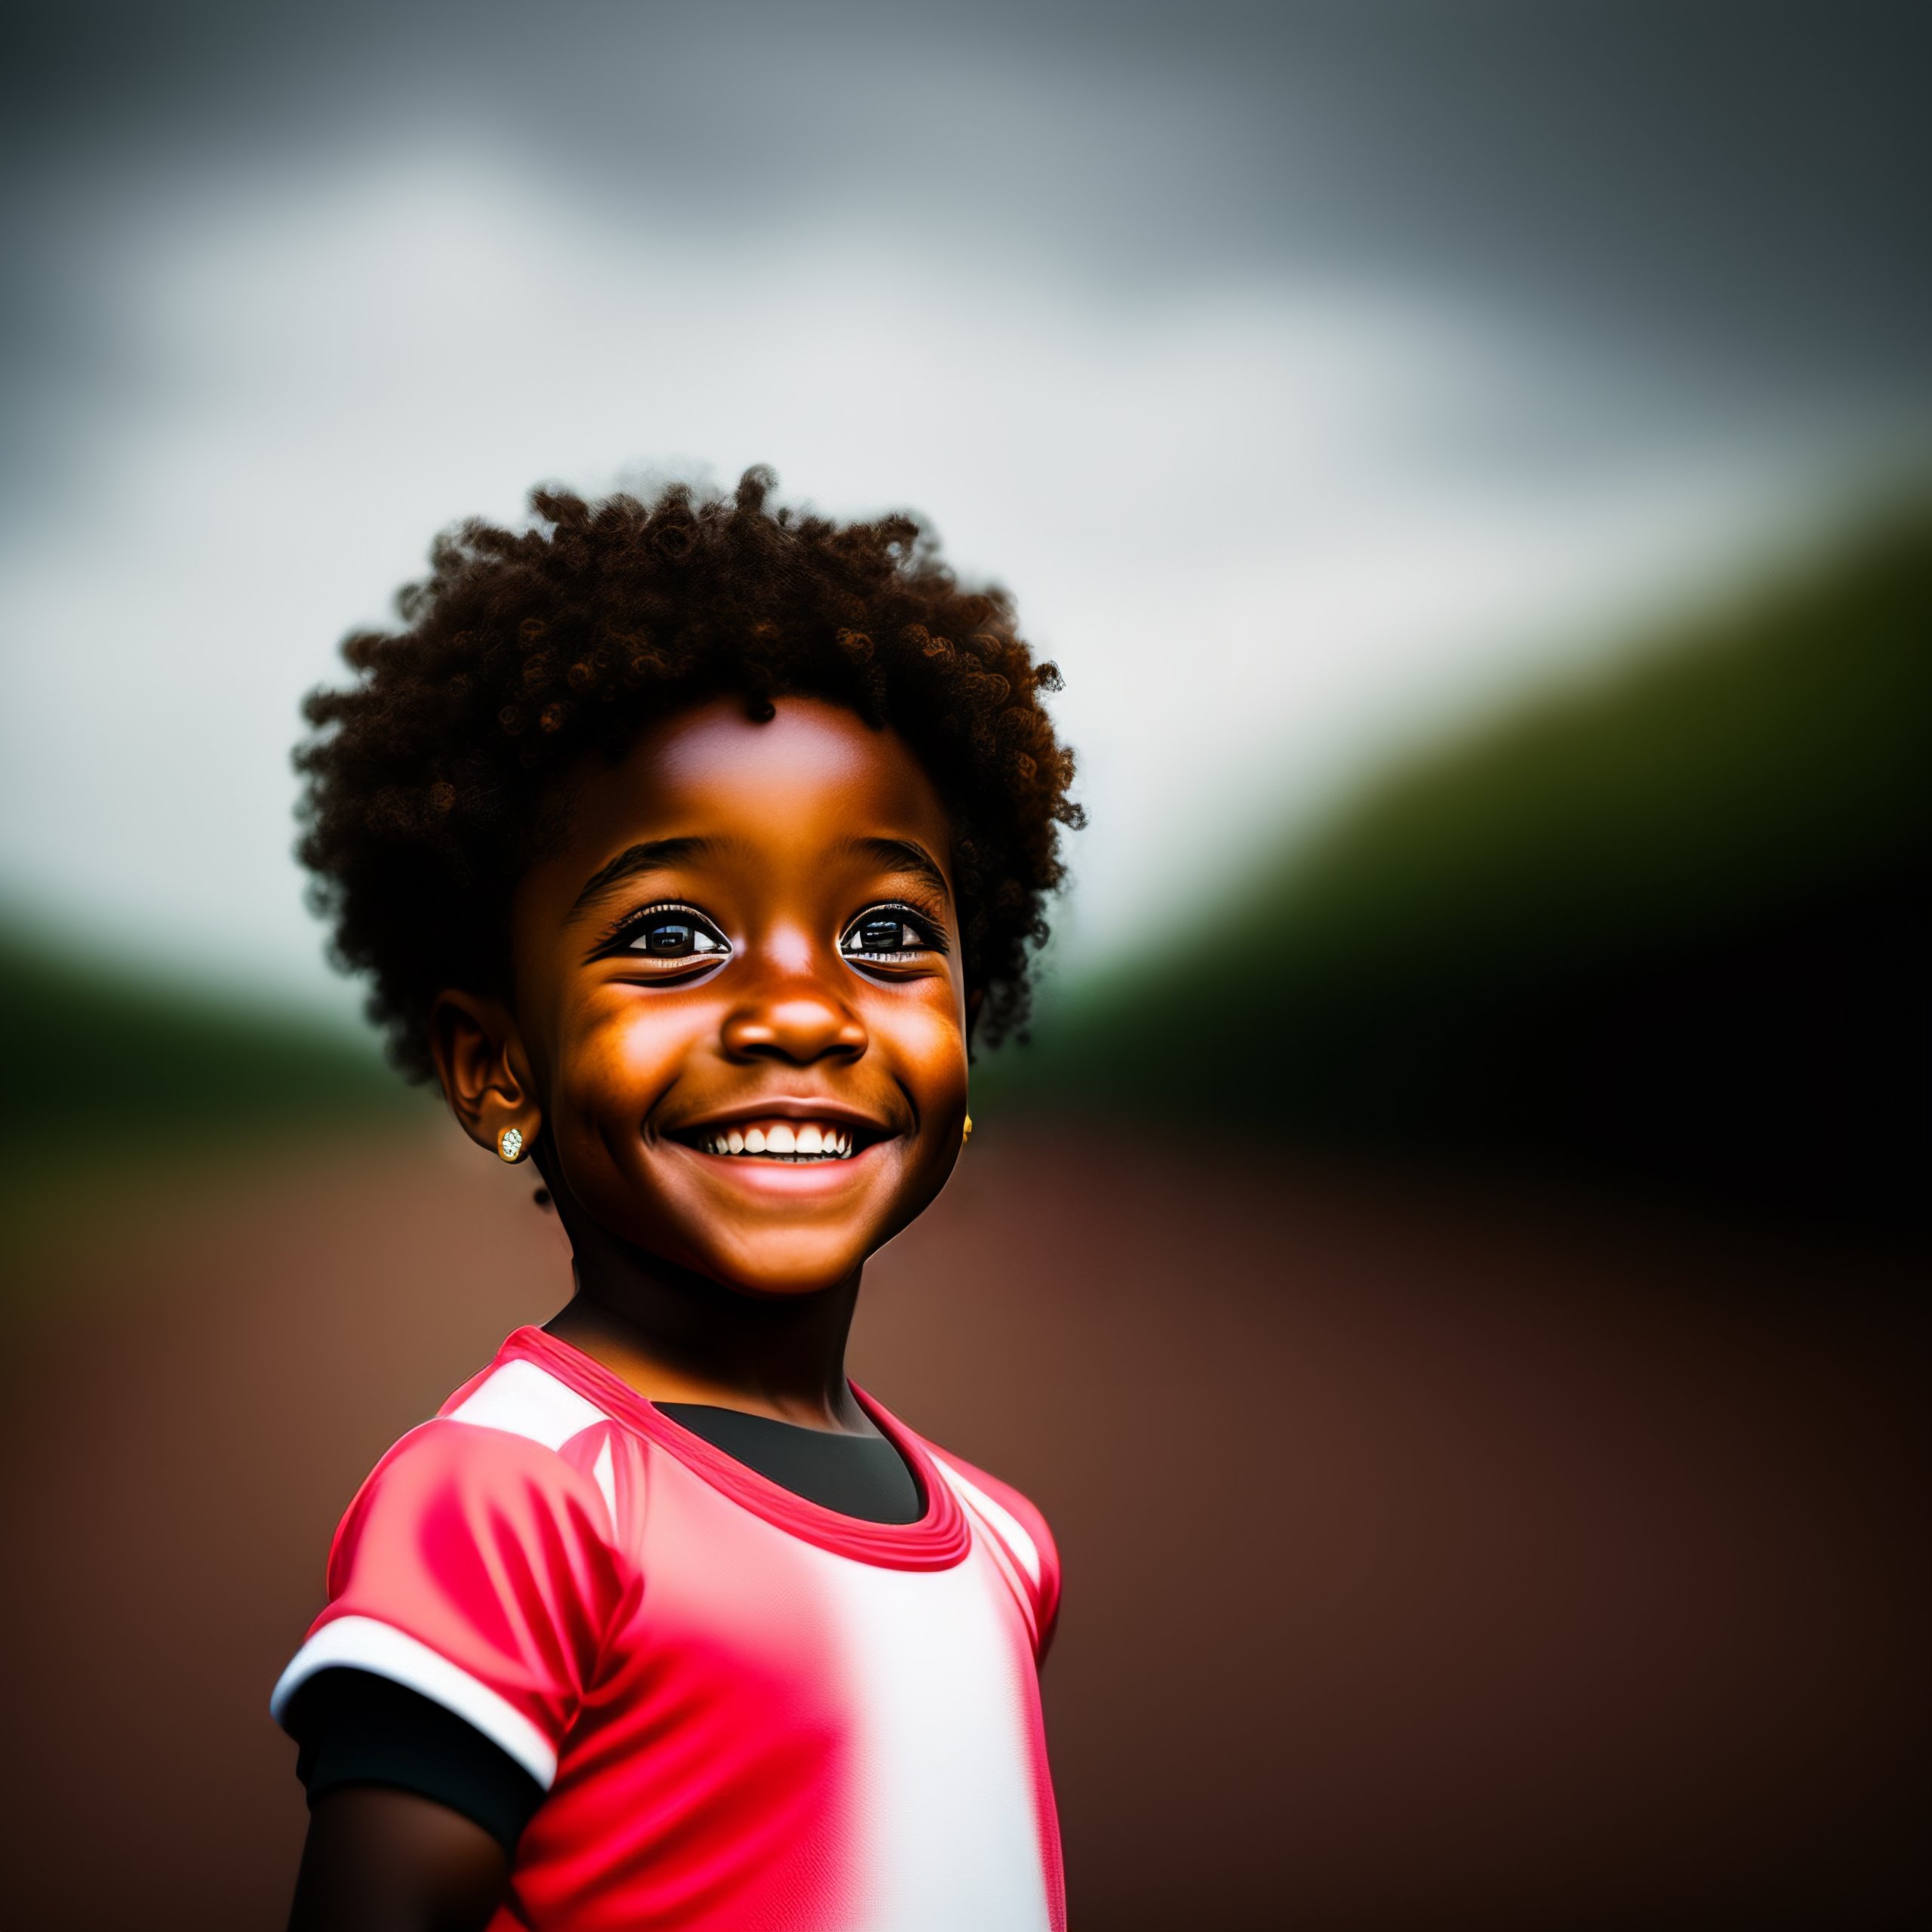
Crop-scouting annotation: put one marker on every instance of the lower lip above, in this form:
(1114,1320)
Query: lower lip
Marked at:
(788,1178)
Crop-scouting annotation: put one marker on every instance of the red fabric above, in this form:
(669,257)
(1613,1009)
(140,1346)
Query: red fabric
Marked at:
(764,1715)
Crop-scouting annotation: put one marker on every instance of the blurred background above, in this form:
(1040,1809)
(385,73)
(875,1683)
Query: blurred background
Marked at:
(1450,1262)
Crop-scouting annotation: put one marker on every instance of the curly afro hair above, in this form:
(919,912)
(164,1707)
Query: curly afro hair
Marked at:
(436,778)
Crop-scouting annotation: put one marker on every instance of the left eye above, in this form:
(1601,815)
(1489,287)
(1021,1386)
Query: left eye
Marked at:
(884,933)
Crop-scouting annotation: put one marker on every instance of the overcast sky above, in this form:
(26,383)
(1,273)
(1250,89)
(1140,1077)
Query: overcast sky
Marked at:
(1369,355)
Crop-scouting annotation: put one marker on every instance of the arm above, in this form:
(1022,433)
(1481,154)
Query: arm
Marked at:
(469,1588)
(378,1859)
(414,1815)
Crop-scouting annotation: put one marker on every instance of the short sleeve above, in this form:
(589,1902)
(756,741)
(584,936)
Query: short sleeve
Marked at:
(475,1568)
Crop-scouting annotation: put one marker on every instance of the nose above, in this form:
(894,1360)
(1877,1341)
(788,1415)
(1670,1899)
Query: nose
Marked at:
(798,1021)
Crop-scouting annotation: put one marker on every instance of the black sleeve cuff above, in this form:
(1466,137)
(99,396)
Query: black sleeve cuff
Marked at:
(354,1727)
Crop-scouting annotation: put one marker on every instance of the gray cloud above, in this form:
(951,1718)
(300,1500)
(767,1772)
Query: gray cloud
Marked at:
(1731,195)
(1380,350)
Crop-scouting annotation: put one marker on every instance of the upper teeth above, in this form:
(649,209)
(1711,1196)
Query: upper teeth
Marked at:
(807,1140)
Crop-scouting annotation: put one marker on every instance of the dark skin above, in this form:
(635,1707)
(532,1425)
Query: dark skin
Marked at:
(746,933)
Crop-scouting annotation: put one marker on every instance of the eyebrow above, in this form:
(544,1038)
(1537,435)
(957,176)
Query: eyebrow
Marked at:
(905,855)
(652,856)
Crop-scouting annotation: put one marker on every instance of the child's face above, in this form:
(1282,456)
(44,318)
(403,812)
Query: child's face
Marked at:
(748,938)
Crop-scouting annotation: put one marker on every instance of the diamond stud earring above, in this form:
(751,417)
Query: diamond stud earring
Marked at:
(509,1143)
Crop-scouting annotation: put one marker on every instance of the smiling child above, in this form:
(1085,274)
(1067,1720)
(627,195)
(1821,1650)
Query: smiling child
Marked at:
(685,844)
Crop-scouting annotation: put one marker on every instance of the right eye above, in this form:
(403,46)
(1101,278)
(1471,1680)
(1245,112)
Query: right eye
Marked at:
(674,935)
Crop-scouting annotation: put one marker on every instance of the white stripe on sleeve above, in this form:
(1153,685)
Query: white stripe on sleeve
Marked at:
(362,1643)
(525,1400)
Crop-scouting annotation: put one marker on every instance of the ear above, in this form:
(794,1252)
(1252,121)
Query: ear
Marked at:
(484,1069)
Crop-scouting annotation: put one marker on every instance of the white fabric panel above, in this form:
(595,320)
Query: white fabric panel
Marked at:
(948,1832)
(524,1400)
(362,1643)
(1002,1520)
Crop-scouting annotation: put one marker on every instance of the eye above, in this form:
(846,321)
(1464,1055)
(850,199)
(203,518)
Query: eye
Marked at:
(675,934)
(890,935)
(675,938)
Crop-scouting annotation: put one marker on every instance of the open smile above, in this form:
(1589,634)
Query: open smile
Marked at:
(781,1140)
(791,1134)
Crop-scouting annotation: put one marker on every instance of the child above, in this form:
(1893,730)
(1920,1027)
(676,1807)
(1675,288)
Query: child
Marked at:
(684,843)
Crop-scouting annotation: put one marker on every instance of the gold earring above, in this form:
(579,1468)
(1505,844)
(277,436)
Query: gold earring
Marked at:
(966,1133)
(509,1143)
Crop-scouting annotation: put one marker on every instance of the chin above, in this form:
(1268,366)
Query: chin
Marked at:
(786,1272)
(783,1281)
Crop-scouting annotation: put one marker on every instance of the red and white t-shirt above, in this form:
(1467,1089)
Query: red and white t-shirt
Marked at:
(746,1711)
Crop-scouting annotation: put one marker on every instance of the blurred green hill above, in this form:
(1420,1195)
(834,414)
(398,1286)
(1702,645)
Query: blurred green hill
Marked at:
(1670,920)
(103,1066)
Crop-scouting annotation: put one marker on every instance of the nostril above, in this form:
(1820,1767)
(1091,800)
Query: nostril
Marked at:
(799,1028)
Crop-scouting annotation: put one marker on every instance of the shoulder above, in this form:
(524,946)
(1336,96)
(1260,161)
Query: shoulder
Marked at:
(1018,1528)
(480,1564)
(514,1448)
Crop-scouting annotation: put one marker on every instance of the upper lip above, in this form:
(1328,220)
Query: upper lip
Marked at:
(784,1107)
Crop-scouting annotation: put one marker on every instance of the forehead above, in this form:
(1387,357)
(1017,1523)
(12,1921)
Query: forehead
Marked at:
(813,777)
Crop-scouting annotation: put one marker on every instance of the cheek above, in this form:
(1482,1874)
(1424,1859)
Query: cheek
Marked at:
(928,1042)
(620,1054)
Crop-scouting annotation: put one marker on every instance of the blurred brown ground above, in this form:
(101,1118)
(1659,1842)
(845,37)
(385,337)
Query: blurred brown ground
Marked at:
(1433,1559)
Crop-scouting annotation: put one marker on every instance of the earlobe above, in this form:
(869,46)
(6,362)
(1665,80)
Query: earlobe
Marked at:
(484,1072)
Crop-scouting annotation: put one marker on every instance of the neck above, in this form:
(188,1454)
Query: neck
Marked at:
(674,1336)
